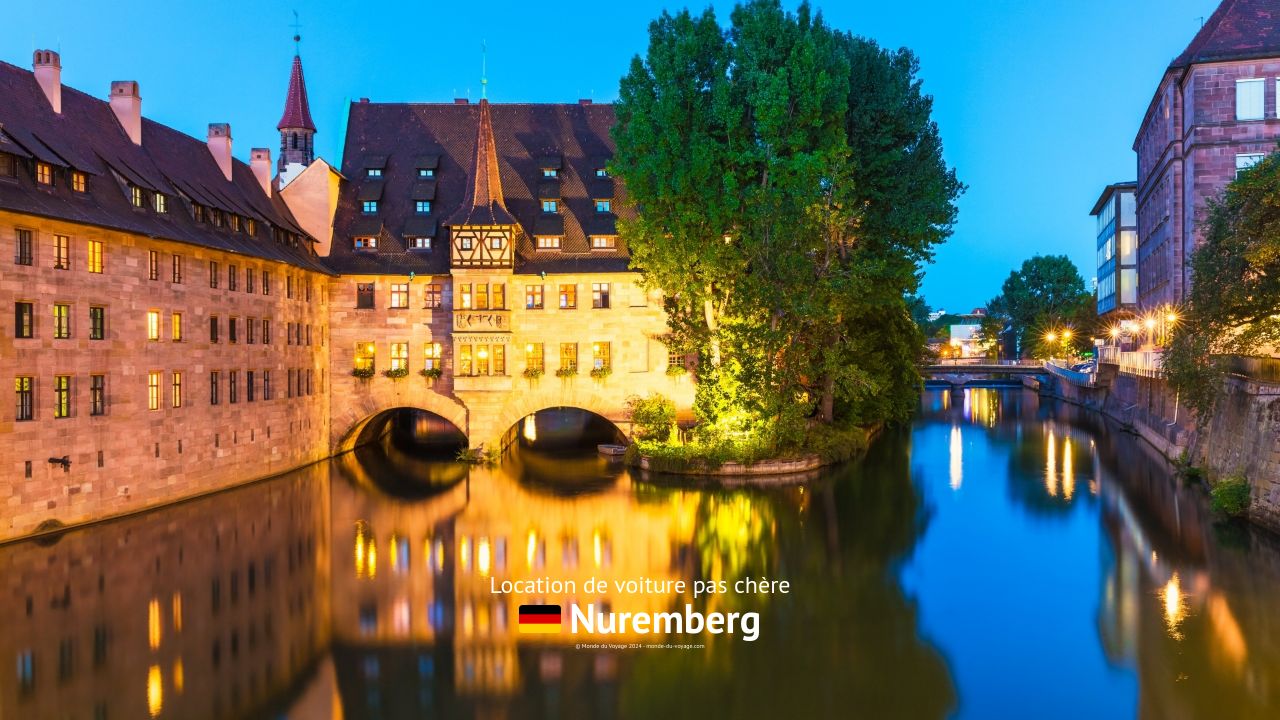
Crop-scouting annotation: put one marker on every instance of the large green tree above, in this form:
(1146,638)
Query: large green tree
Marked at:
(790,184)
(1233,307)
(1045,294)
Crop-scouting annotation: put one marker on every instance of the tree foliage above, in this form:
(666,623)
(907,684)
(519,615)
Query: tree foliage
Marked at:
(1234,304)
(1045,294)
(790,184)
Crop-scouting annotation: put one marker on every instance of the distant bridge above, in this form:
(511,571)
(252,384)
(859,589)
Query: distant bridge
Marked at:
(981,374)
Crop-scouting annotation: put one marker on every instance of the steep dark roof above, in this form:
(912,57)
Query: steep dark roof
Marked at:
(297,110)
(87,137)
(483,203)
(1237,30)
(524,136)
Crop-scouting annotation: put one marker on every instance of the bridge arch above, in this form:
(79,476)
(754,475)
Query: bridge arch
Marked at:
(517,406)
(361,410)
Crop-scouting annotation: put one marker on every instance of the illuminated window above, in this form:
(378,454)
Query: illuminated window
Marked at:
(44,173)
(464,296)
(431,356)
(497,242)
(153,390)
(419,242)
(550,206)
(533,297)
(176,394)
(400,295)
(61,321)
(95,256)
(370,207)
(426,173)
(251,226)
(62,396)
(499,293)
(568,297)
(422,207)
(373,172)
(153,324)
(365,242)
(533,358)
(24,320)
(464,242)
(602,172)
(399,356)
(600,356)
(600,295)
(364,356)
(550,172)
(160,202)
(135,195)
(499,359)
(464,360)
(77,181)
(569,356)
(482,296)
(434,296)
(603,242)
(177,326)
(548,242)
(61,252)
(604,206)
(23,386)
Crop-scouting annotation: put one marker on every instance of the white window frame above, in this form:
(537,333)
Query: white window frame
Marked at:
(1244,161)
(1245,106)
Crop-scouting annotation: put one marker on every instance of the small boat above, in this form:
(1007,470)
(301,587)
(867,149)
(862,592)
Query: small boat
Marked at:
(612,450)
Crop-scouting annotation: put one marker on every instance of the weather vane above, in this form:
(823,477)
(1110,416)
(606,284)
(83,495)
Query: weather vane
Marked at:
(297,33)
(484,71)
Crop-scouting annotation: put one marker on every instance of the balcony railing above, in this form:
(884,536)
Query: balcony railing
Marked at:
(1144,363)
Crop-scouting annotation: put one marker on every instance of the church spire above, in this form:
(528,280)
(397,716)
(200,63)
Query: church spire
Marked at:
(297,131)
(484,203)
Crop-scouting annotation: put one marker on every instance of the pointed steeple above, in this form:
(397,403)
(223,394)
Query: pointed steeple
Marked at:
(483,203)
(297,131)
(297,111)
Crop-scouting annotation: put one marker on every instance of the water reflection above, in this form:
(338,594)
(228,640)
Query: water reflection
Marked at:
(961,569)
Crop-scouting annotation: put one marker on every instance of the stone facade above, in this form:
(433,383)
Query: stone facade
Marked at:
(131,456)
(1243,437)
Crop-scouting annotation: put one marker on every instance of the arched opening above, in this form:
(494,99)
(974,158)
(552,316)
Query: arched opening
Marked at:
(556,450)
(406,452)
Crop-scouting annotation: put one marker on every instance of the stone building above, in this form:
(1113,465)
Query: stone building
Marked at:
(1214,114)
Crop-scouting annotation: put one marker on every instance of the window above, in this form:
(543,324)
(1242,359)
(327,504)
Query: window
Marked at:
(24,320)
(365,242)
(1244,161)
(8,165)
(482,296)
(600,356)
(77,181)
(160,202)
(177,268)
(399,295)
(153,265)
(550,206)
(604,206)
(153,390)
(568,297)
(550,172)
(422,207)
(176,389)
(61,321)
(248,280)
(548,242)
(233,386)
(44,173)
(251,226)
(603,242)
(266,282)
(266,331)
(365,356)
(61,252)
(533,359)
(62,396)
(95,256)
(250,331)
(426,173)
(97,394)
(288,286)
(464,296)
(97,323)
(1249,102)
(569,356)
(213,329)
(232,275)
(213,387)
(434,296)
(135,196)
(465,366)
(249,386)
(266,385)
(153,324)
(198,212)
(499,359)
(419,242)
(602,172)
(23,386)
(370,207)
(233,328)
(23,254)
(533,297)
(599,295)
(399,356)
(431,356)
(675,358)
(176,319)
(464,242)
(497,242)
(499,292)
(373,172)
(235,223)
(364,296)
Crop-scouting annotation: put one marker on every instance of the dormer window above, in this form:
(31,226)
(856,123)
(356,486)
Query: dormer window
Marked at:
(161,202)
(366,242)
(426,173)
(197,211)
(550,172)
(44,173)
(235,223)
(550,206)
(251,226)
(548,242)
(135,196)
(78,181)
(422,207)
(373,172)
(602,172)
(370,207)
(8,165)
(604,206)
(419,242)
(603,242)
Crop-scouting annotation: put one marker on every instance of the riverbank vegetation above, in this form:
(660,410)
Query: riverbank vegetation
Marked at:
(1233,307)
(790,186)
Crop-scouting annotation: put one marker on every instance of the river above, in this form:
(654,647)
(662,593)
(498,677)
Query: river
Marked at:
(1004,556)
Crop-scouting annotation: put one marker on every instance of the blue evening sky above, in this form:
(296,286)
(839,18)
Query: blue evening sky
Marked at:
(1038,100)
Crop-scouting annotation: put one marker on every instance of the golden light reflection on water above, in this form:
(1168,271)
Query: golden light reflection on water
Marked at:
(1051,465)
(483,557)
(155,691)
(1175,606)
(1068,471)
(981,406)
(366,552)
(153,624)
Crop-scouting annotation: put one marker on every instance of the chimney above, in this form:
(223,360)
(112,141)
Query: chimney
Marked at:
(220,146)
(584,101)
(260,163)
(461,101)
(126,102)
(48,68)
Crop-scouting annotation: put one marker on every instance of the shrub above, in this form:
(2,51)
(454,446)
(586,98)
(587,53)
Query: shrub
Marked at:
(533,373)
(676,370)
(396,373)
(652,417)
(565,372)
(1231,496)
(434,373)
(364,373)
(601,373)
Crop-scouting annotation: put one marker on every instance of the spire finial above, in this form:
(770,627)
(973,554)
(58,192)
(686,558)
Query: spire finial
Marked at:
(297,34)
(484,70)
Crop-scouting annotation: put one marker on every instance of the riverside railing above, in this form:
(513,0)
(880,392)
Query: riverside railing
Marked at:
(1145,363)
(1075,377)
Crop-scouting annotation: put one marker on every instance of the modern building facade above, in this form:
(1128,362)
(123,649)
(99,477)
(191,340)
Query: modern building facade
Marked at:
(183,321)
(1117,221)
(1214,114)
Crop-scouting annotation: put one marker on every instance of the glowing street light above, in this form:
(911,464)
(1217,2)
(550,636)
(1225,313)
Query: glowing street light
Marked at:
(1066,336)
(1050,336)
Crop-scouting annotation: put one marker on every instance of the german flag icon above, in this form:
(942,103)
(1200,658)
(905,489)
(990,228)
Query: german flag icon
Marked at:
(540,618)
